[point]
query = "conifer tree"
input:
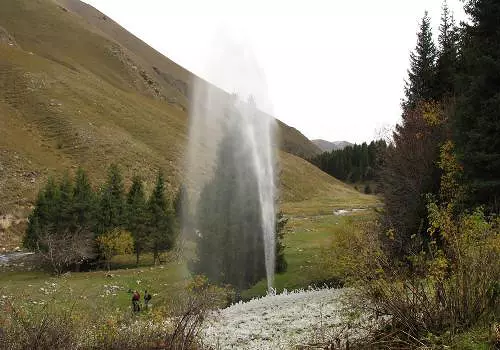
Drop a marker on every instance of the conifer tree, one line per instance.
(112, 203)
(477, 121)
(137, 216)
(281, 263)
(180, 203)
(36, 224)
(160, 222)
(44, 218)
(230, 246)
(446, 65)
(84, 201)
(66, 219)
(420, 85)
(230, 237)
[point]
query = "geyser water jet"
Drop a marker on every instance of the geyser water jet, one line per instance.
(231, 170)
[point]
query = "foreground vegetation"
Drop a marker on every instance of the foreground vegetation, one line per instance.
(433, 257)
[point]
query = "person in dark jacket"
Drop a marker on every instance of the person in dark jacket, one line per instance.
(147, 298)
(135, 301)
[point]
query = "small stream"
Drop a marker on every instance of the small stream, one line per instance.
(8, 258)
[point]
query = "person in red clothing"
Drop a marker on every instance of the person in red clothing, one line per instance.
(135, 301)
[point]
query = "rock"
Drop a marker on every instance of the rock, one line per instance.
(6, 38)
(17, 249)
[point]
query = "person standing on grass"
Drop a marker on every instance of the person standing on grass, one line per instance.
(135, 301)
(147, 298)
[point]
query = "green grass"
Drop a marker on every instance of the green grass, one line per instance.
(309, 242)
(87, 290)
(474, 339)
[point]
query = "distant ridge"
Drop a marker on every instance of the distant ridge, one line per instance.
(327, 146)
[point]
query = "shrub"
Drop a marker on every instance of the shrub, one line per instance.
(115, 242)
(446, 290)
(37, 327)
(191, 311)
(61, 251)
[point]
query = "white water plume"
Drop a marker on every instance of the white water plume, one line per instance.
(230, 131)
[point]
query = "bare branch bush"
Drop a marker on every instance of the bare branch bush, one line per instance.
(37, 328)
(192, 311)
(60, 251)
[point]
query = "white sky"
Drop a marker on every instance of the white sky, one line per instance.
(335, 69)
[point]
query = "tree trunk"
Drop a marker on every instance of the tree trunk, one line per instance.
(155, 255)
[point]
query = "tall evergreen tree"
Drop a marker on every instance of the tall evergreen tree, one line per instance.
(446, 65)
(36, 222)
(230, 237)
(112, 202)
(180, 203)
(422, 73)
(45, 216)
(66, 219)
(281, 263)
(137, 216)
(230, 247)
(161, 233)
(477, 121)
(84, 201)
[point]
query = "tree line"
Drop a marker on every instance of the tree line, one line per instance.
(353, 163)
(80, 223)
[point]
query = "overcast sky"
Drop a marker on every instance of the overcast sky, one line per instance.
(334, 69)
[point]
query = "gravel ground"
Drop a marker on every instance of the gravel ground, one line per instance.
(284, 321)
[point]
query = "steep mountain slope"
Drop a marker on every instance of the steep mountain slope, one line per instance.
(327, 146)
(168, 73)
(76, 93)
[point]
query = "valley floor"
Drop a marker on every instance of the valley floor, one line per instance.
(311, 231)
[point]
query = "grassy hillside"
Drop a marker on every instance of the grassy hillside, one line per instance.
(76, 89)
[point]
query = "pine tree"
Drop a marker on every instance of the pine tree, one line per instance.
(230, 246)
(160, 223)
(66, 219)
(84, 201)
(477, 121)
(35, 223)
(137, 216)
(43, 220)
(180, 203)
(112, 203)
(281, 263)
(446, 65)
(421, 75)
(230, 237)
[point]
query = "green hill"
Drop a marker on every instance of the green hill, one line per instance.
(77, 89)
